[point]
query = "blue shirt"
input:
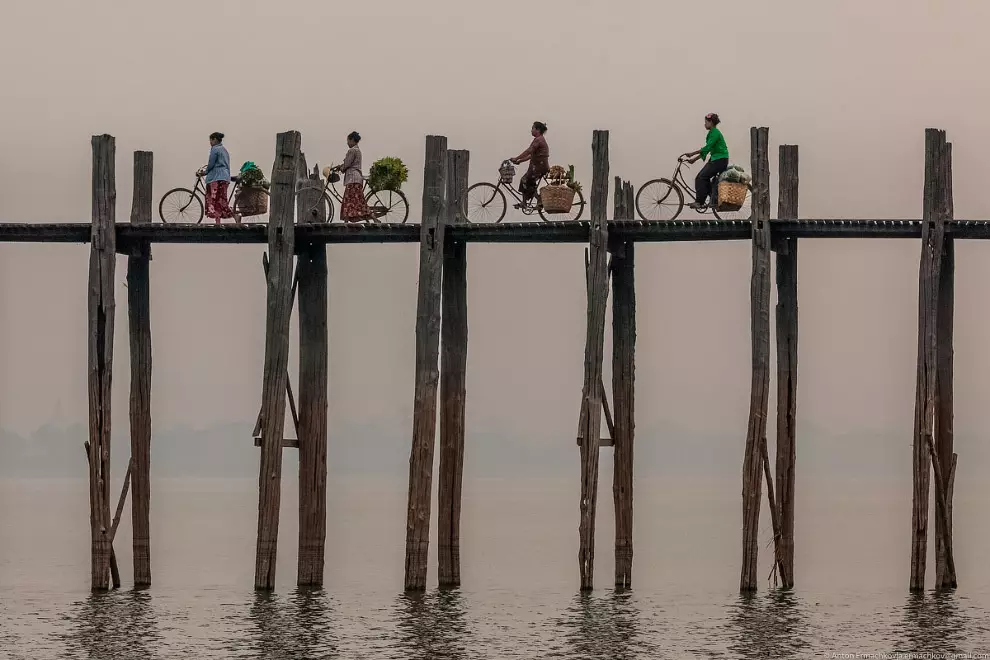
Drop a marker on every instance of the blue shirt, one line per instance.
(218, 169)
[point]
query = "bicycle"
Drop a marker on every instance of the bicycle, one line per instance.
(484, 199)
(658, 195)
(388, 206)
(185, 206)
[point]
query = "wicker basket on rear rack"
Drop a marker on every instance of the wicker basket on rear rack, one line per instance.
(731, 196)
(252, 201)
(557, 199)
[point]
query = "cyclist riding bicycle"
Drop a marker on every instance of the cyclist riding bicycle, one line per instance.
(538, 155)
(718, 162)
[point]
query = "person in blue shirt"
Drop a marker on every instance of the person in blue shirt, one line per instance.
(217, 173)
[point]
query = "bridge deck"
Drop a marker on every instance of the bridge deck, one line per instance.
(515, 232)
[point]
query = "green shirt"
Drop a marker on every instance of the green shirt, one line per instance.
(715, 145)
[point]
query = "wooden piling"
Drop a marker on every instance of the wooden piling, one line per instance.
(591, 416)
(932, 241)
(760, 302)
(623, 393)
(427, 355)
(787, 362)
(139, 329)
(453, 369)
(944, 388)
(313, 385)
(102, 262)
(281, 248)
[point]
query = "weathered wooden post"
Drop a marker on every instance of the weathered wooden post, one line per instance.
(592, 392)
(102, 262)
(313, 385)
(427, 355)
(623, 390)
(937, 208)
(943, 389)
(453, 369)
(760, 300)
(787, 361)
(281, 248)
(139, 326)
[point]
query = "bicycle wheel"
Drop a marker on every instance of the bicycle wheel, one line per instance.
(484, 202)
(745, 212)
(180, 206)
(577, 208)
(658, 199)
(312, 202)
(389, 206)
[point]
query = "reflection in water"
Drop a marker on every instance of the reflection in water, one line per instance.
(769, 626)
(432, 626)
(117, 624)
(299, 628)
(604, 627)
(931, 623)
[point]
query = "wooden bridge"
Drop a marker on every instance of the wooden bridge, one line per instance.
(296, 268)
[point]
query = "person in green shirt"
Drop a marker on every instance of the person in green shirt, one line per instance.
(718, 160)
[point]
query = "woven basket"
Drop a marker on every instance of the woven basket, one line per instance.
(507, 172)
(252, 201)
(731, 196)
(557, 199)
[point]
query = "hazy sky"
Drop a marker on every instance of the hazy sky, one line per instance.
(853, 83)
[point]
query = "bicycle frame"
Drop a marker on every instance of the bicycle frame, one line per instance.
(678, 180)
(200, 188)
(527, 209)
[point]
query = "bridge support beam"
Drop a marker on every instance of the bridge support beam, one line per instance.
(787, 363)
(102, 262)
(453, 371)
(313, 385)
(944, 577)
(592, 391)
(760, 302)
(281, 247)
(427, 355)
(933, 413)
(139, 326)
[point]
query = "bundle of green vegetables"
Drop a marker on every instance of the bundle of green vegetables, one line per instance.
(251, 176)
(387, 173)
(735, 174)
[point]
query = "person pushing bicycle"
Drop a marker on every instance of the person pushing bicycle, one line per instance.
(717, 153)
(538, 155)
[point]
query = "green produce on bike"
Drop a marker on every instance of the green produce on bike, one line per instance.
(538, 155)
(717, 153)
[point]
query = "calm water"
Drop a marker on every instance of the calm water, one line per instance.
(519, 599)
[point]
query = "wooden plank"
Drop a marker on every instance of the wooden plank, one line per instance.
(427, 356)
(623, 393)
(760, 305)
(787, 363)
(597, 280)
(313, 395)
(139, 332)
(453, 370)
(102, 261)
(281, 247)
(287, 443)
